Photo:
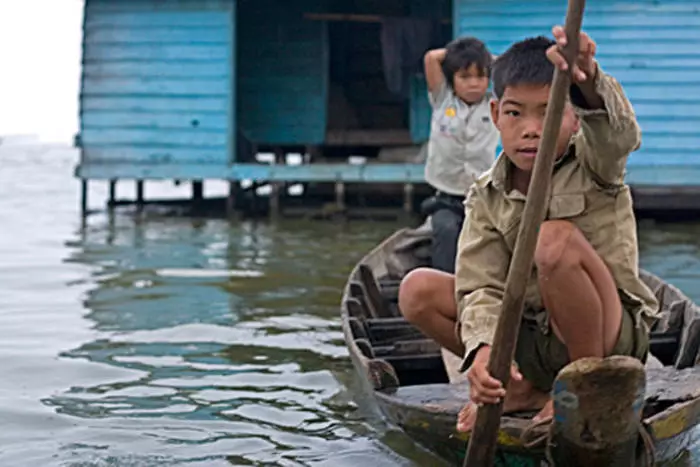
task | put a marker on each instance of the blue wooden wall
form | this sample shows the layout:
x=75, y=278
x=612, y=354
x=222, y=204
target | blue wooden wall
x=282, y=73
x=650, y=46
x=157, y=82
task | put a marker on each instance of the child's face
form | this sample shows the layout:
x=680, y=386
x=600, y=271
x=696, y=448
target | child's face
x=519, y=117
x=470, y=84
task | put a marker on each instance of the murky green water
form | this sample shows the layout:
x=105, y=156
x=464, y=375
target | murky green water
x=186, y=342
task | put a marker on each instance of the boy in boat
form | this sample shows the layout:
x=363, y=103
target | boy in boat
x=584, y=296
x=462, y=141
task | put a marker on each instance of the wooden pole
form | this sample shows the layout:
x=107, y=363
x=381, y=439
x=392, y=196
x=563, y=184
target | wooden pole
x=482, y=442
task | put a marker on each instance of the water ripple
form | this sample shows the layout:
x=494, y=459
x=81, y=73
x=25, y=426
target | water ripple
x=193, y=342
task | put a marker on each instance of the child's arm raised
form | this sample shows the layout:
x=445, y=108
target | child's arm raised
x=609, y=125
x=480, y=276
x=432, y=63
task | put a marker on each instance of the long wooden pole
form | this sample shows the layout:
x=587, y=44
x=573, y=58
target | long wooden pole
x=482, y=443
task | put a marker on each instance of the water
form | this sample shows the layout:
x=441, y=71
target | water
x=191, y=342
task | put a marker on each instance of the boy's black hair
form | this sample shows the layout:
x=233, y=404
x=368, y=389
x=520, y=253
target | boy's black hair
x=524, y=62
x=463, y=53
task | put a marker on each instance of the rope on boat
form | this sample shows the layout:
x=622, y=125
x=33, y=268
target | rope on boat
x=531, y=440
x=649, y=449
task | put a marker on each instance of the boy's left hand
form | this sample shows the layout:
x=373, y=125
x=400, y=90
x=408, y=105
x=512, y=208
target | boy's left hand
x=584, y=65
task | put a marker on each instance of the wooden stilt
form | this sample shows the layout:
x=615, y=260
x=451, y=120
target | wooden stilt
x=276, y=186
x=197, y=193
x=112, y=194
x=231, y=199
x=254, y=198
x=139, y=192
x=83, y=197
x=340, y=196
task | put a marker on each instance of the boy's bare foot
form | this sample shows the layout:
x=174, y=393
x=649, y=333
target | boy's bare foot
x=520, y=401
x=546, y=412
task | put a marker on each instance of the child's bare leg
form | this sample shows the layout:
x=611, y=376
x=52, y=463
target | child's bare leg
x=580, y=294
x=427, y=300
x=578, y=291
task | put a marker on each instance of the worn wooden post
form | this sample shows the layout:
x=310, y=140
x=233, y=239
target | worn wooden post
x=598, y=406
x=139, y=194
x=482, y=441
x=340, y=196
x=83, y=197
x=231, y=199
x=112, y=194
x=275, y=185
x=197, y=191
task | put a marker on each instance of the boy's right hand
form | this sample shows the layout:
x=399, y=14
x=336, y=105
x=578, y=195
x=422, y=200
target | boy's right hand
x=484, y=388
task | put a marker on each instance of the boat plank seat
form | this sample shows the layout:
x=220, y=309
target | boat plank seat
x=662, y=344
x=379, y=331
x=378, y=305
x=416, y=370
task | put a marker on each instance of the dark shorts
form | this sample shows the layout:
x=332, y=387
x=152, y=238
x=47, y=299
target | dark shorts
x=447, y=218
x=540, y=354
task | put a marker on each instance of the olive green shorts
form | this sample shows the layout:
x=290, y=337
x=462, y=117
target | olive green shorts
x=540, y=354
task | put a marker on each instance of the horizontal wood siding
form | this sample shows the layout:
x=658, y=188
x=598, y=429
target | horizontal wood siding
x=157, y=82
x=651, y=47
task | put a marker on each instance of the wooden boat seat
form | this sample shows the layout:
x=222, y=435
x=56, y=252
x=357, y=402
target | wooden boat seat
x=663, y=344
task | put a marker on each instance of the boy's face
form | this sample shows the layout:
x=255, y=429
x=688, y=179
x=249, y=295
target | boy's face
x=470, y=84
x=519, y=117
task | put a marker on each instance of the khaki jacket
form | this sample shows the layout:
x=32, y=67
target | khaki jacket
x=587, y=189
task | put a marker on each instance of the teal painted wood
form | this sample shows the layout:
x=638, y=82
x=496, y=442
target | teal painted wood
x=165, y=169
x=649, y=46
x=157, y=83
x=420, y=110
x=282, y=74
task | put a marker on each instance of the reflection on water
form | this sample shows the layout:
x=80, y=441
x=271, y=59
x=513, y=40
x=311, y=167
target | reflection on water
x=193, y=342
x=226, y=339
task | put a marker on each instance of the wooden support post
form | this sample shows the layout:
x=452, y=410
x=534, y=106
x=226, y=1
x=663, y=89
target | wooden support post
x=139, y=194
x=231, y=199
x=197, y=194
x=340, y=196
x=83, y=197
x=254, y=198
x=112, y=194
x=197, y=190
x=275, y=187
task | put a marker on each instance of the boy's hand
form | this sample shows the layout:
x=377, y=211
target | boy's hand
x=483, y=388
x=584, y=66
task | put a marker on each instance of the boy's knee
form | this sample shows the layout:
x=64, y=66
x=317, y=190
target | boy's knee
x=557, y=246
x=416, y=293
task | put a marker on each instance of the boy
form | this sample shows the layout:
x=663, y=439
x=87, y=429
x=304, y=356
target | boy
x=584, y=296
x=463, y=139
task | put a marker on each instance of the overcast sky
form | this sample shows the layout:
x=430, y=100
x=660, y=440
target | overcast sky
x=40, y=67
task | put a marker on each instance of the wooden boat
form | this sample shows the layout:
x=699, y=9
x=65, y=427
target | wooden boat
x=407, y=373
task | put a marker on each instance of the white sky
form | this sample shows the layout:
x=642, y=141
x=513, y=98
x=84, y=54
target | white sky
x=40, y=67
